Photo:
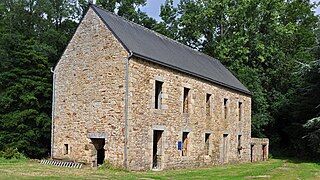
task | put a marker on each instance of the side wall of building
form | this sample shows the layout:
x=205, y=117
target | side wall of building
x=145, y=121
x=89, y=95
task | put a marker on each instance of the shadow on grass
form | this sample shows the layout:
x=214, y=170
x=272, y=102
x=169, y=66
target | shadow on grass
x=296, y=159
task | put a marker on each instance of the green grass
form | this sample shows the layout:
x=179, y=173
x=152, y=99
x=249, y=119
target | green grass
x=273, y=169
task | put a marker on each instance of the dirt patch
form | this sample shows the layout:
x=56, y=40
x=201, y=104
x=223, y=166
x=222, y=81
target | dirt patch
x=284, y=168
x=257, y=177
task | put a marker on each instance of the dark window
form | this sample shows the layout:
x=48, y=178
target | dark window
x=207, y=141
x=240, y=111
x=186, y=100
x=158, y=95
x=66, y=149
x=239, y=144
x=225, y=104
x=185, y=140
x=208, y=105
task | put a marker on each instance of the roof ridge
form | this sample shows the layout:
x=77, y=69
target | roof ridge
x=156, y=33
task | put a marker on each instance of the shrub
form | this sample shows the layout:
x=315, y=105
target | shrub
x=12, y=153
x=110, y=165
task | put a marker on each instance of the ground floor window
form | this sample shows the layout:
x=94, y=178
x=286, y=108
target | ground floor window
x=207, y=143
x=185, y=140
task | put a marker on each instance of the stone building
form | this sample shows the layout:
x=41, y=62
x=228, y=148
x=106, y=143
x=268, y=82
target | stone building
x=135, y=98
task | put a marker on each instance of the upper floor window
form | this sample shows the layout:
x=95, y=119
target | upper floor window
x=186, y=100
x=240, y=110
x=158, y=95
x=225, y=105
x=208, y=105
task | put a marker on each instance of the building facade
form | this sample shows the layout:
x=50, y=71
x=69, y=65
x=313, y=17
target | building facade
x=114, y=102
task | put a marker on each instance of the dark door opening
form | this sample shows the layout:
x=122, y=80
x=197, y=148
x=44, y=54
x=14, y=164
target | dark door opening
x=157, y=149
x=251, y=152
x=99, y=144
x=225, y=148
x=264, y=152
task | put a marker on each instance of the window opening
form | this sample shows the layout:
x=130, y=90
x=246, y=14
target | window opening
x=240, y=111
x=208, y=105
x=225, y=104
x=185, y=140
x=239, y=144
x=66, y=149
x=207, y=145
x=158, y=95
x=186, y=100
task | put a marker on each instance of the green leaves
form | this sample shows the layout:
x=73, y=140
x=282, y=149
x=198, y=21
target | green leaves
x=261, y=42
x=33, y=35
x=129, y=9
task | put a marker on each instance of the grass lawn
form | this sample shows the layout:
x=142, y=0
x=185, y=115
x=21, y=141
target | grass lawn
x=272, y=169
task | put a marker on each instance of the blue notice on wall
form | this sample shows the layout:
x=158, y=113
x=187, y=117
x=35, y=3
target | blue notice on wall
x=179, y=145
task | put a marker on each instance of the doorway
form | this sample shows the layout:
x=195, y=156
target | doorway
x=99, y=145
x=264, y=152
x=251, y=152
x=157, y=149
x=225, y=148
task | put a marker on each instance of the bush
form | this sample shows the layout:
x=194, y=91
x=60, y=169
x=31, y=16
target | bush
x=12, y=153
x=110, y=165
x=313, y=135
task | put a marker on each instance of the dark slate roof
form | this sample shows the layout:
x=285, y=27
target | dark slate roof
x=151, y=46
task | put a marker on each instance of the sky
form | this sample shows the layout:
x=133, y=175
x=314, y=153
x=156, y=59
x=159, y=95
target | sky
x=153, y=8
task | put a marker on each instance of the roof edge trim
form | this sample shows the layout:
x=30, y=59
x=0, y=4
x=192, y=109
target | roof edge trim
x=114, y=34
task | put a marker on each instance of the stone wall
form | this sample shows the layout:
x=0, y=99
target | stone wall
x=89, y=94
x=90, y=103
x=259, y=149
x=144, y=119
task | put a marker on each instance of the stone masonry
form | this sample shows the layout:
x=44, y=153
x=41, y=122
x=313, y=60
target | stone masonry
x=89, y=106
x=144, y=118
x=89, y=94
x=259, y=149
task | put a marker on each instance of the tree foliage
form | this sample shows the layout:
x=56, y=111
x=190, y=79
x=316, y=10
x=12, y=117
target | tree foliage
x=33, y=35
x=129, y=9
x=262, y=42
x=272, y=46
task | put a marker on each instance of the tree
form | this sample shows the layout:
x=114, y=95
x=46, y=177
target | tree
x=25, y=98
x=129, y=9
x=244, y=36
x=33, y=34
x=168, y=26
x=313, y=136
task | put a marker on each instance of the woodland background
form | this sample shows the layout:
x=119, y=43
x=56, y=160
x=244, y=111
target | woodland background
x=272, y=46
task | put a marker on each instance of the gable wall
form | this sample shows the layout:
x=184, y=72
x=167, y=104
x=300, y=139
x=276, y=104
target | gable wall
x=144, y=118
x=89, y=93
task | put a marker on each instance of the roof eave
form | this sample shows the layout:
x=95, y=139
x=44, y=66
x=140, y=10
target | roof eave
x=193, y=74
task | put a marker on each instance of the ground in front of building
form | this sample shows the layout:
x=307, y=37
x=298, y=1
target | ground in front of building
x=272, y=169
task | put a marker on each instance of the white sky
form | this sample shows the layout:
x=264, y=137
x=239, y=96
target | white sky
x=318, y=9
x=153, y=8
